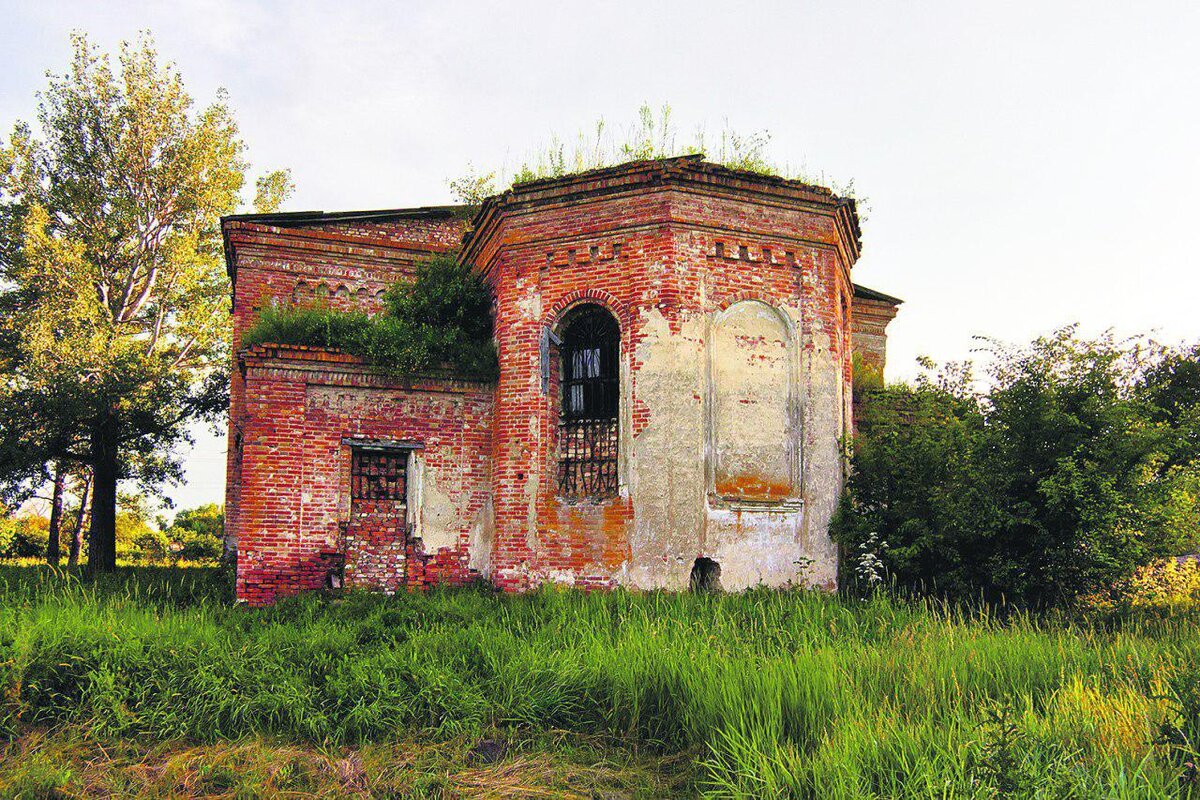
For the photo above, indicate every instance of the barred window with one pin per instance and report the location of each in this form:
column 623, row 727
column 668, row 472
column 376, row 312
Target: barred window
column 591, row 345
column 378, row 474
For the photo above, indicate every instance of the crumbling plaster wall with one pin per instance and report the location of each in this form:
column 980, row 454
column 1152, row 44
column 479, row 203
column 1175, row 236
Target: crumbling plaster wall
column 668, row 264
column 680, row 512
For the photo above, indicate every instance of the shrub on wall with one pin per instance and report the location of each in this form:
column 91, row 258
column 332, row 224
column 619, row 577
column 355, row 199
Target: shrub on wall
column 438, row 320
column 1079, row 464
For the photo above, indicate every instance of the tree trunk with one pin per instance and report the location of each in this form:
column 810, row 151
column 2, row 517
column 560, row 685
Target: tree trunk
column 102, row 536
column 56, row 509
column 77, row 536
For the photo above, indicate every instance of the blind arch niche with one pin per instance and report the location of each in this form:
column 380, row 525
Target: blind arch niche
column 754, row 420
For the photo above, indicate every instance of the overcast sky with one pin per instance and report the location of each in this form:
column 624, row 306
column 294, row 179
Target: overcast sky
column 1027, row 165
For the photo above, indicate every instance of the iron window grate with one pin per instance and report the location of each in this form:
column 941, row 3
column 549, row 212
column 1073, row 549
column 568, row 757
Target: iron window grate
column 378, row 475
column 587, row 464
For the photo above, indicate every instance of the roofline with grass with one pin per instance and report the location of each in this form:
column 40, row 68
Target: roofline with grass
column 688, row 171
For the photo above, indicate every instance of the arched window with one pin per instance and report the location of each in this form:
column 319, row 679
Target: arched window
column 590, row 386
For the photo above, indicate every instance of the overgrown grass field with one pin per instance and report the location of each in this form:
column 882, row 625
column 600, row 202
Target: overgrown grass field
column 762, row 694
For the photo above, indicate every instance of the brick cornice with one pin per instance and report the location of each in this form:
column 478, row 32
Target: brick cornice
column 688, row 174
column 863, row 310
column 304, row 240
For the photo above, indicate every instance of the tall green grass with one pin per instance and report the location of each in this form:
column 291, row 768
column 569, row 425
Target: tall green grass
column 774, row 693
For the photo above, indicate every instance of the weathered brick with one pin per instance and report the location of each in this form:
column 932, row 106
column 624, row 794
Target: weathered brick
column 670, row 248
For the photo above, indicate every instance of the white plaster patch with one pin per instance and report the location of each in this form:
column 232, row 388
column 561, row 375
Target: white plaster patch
column 482, row 540
column 439, row 523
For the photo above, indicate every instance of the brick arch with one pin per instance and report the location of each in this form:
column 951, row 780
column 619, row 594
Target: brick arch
column 749, row 296
column 578, row 297
column 302, row 292
column 742, row 296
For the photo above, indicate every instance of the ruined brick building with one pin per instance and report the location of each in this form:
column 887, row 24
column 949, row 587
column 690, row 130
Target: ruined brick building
column 674, row 342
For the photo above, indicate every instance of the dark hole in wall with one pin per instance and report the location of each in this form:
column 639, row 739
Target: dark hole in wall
column 706, row 575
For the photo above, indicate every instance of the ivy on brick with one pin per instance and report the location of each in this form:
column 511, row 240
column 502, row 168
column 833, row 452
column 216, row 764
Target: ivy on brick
column 438, row 321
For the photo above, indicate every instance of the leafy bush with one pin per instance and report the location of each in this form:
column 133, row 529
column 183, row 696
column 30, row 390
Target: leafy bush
column 137, row 540
column 197, row 534
column 441, row 319
column 1079, row 464
column 23, row 536
column 1168, row 584
column 311, row 326
column 208, row 519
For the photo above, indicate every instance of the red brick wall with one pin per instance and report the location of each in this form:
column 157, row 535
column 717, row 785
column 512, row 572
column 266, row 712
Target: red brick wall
column 345, row 264
column 870, row 320
column 376, row 544
column 378, row 529
column 301, row 407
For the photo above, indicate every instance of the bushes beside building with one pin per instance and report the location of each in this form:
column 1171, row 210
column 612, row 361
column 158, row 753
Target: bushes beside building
column 199, row 532
column 441, row 319
column 1077, row 465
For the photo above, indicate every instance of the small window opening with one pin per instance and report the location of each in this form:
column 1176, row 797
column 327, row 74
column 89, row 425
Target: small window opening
column 587, row 467
column 378, row 475
column 706, row 576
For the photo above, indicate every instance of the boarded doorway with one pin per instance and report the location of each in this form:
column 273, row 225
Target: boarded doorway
column 377, row 532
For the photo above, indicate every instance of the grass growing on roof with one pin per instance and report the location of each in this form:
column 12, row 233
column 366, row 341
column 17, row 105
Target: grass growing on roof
column 765, row 693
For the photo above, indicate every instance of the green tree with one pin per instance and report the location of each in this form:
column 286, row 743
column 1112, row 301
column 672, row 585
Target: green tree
column 272, row 190
column 208, row 519
column 59, row 486
column 1079, row 463
column 198, row 532
column 115, row 298
column 22, row 535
